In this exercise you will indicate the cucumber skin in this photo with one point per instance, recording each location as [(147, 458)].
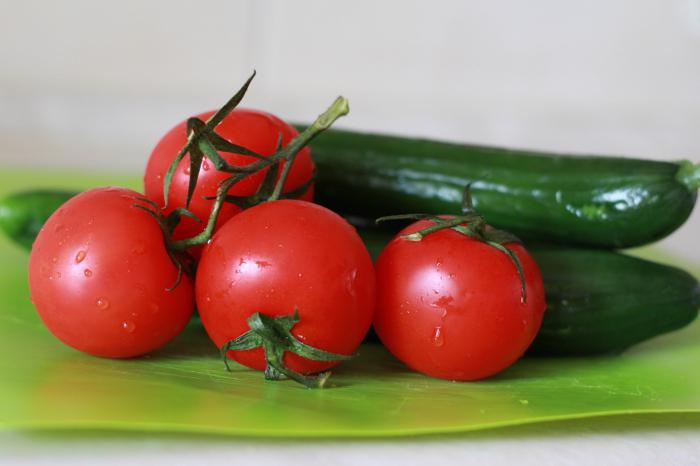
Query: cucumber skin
[(598, 301), (23, 214), (587, 200)]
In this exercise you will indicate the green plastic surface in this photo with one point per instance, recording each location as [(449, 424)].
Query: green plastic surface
[(184, 387)]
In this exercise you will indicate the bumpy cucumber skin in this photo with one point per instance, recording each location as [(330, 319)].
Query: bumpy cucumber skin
[(597, 201), (604, 302), (599, 302), (23, 214)]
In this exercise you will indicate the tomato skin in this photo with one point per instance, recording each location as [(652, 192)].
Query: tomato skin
[(98, 274), (450, 306), (282, 255), (253, 129)]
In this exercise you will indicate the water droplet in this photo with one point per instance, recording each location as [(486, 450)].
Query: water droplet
[(80, 256), (54, 259), (299, 275), (207, 299), (91, 221), (56, 275), (205, 165), (61, 242), (87, 273), (128, 326), (438, 337), (102, 303), (58, 228), (187, 170)]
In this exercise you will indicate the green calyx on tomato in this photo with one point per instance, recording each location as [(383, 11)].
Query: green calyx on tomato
[(470, 224), (203, 142), (274, 335), (167, 224)]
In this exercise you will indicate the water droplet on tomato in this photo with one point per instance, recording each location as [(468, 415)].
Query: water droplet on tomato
[(54, 259), (87, 273), (58, 228), (205, 165), (207, 299), (438, 337), (91, 221), (80, 256), (102, 303), (186, 171), (128, 326), (56, 275)]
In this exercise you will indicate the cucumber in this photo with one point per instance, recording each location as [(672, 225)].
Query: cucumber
[(23, 214), (599, 201), (600, 301), (604, 302)]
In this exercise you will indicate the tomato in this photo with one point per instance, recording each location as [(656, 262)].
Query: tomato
[(450, 305), (253, 129), (98, 274), (280, 256)]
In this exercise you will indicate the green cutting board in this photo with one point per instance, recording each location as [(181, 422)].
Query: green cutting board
[(184, 387)]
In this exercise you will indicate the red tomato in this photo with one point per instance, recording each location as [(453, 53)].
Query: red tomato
[(253, 129), (282, 255), (98, 274), (450, 306)]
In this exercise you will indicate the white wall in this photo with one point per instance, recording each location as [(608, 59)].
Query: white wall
[(94, 84)]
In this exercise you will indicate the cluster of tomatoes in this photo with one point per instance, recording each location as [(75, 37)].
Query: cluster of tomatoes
[(286, 286)]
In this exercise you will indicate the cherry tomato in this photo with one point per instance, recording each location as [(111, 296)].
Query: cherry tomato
[(450, 306), (285, 255), (253, 129), (98, 274)]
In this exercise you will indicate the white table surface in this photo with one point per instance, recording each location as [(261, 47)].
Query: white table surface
[(636, 440)]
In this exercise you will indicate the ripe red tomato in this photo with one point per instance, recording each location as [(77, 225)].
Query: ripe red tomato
[(282, 255), (450, 306), (253, 129), (98, 274)]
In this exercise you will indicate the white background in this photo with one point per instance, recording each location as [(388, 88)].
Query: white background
[(94, 84)]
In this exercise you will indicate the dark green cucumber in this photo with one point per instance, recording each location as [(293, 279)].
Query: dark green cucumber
[(600, 301), (604, 302), (597, 201), (23, 214)]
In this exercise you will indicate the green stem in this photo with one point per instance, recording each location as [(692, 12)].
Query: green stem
[(337, 109), (689, 175), (274, 335)]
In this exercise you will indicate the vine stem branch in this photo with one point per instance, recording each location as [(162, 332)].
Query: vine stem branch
[(338, 108)]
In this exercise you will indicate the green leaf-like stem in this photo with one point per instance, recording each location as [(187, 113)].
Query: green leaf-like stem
[(287, 153), (274, 335)]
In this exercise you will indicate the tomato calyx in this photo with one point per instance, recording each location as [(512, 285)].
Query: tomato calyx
[(274, 335), (202, 141), (470, 224), (167, 223)]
